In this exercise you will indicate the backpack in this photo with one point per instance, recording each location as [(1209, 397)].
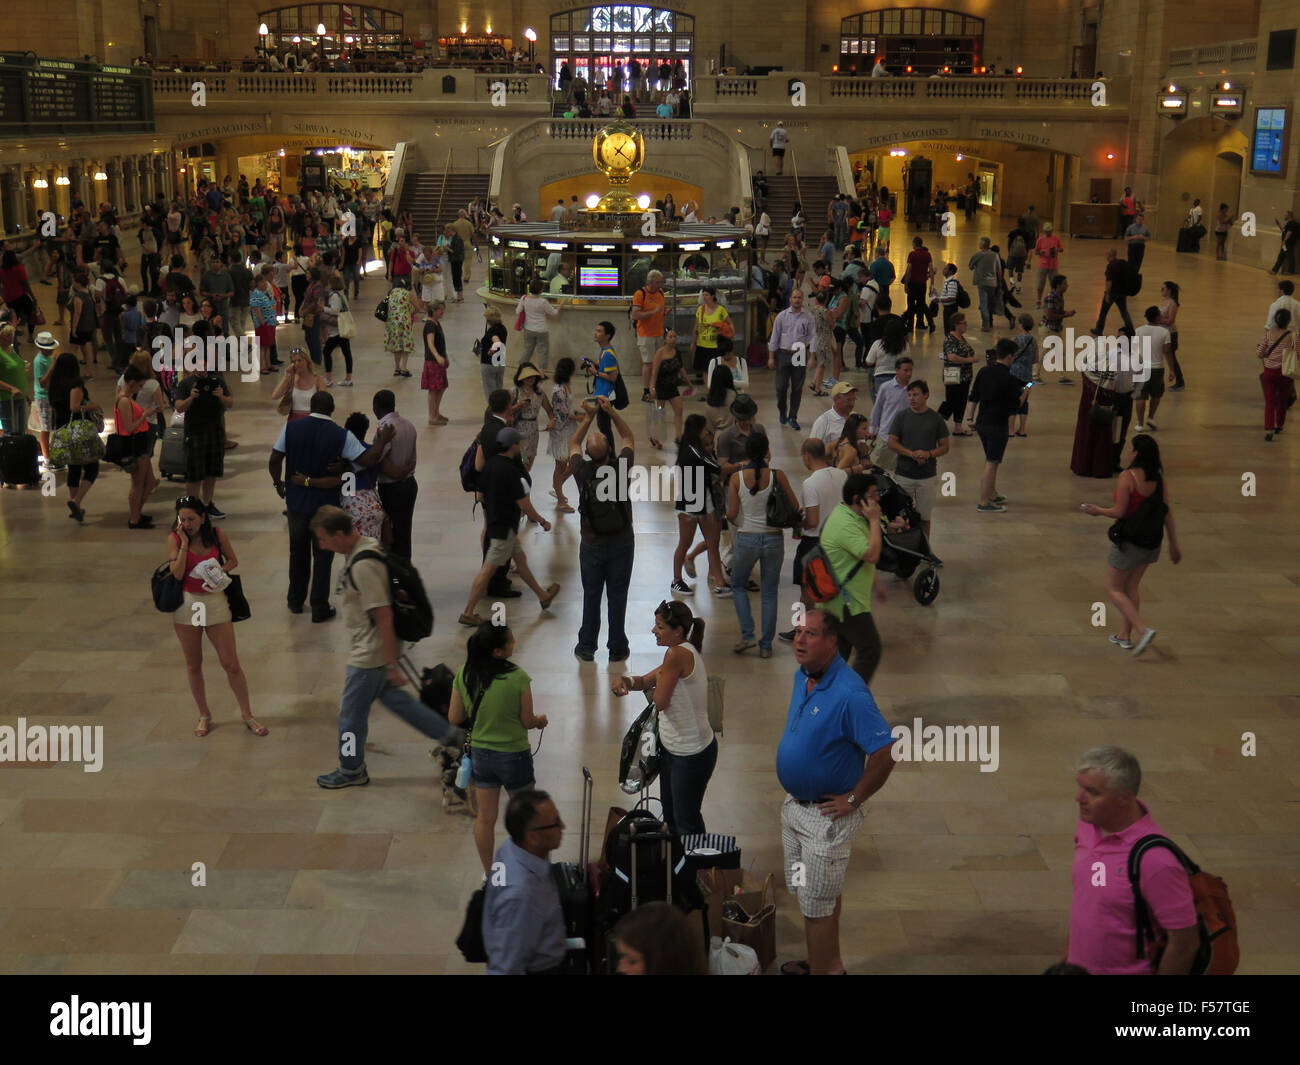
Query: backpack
[(1218, 953), (605, 516), (114, 296), (469, 475), (1145, 528), (963, 297), (412, 611), (632, 324), (1134, 282), (1019, 249), (819, 581)]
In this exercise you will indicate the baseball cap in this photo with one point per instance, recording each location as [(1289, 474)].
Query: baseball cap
[(843, 388), (508, 436), (46, 340)]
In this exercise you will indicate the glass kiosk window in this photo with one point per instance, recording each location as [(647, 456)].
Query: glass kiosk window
[(598, 275)]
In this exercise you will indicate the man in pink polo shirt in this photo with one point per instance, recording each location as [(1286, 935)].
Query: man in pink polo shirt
[(1103, 924)]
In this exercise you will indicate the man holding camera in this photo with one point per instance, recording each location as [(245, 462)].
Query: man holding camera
[(203, 398)]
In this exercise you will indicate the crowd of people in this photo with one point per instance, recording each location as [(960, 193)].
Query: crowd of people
[(257, 264)]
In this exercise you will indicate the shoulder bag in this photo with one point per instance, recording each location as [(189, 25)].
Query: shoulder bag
[(239, 608), (780, 513), (168, 591), (346, 324)]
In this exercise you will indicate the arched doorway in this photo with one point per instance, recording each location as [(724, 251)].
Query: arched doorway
[(1201, 159), (598, 41)]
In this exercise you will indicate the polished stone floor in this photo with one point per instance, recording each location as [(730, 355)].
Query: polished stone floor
[(956, 870)]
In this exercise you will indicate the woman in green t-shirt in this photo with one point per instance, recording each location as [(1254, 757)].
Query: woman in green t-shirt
[(495, 696)]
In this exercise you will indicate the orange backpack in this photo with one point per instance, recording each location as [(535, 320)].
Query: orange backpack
[(1218, 953)]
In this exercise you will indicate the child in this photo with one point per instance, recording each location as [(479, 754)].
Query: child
[(431, 283), (564, 422)]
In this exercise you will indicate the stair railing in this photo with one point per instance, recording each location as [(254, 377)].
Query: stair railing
[(794, 161), (442, 192)]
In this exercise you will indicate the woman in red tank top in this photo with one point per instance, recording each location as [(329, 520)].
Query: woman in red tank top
[(133, 423), (193, 542), (1128, 561)]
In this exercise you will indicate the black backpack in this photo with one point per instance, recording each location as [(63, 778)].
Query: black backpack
[(963, 297), (605, 516), (1134, 282), (1145, 528), (412, 611), (469, 475)]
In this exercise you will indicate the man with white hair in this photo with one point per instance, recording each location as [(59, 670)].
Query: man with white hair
[(1104, 918), (648, 306)]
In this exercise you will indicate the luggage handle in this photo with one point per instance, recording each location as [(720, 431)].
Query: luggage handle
[(584, 844)]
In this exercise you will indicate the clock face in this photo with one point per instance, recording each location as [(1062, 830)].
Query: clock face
[(618, 151)]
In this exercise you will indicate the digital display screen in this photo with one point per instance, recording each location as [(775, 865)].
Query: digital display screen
[(598, 277), (1270, 127), (61, 96)]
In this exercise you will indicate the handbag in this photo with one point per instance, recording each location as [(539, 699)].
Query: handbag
[(239, 608), (38, 315), (638, 762), (781, 513), (381, 311), (519, 321), (1100, 412), (168, 591), (952, 375), (76, 444), (347, 325), (285, 406), (725, 329)]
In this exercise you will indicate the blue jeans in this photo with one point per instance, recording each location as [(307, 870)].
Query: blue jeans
[(986, 304), (768, 550), (682, 780), (311, 337), (606, 567), (361, 688), (352, 275)]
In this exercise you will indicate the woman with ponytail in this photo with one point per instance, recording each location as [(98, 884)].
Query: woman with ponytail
[(688, 750), (493, 698)]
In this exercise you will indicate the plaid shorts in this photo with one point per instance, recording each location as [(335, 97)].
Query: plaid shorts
[(205, 454), (820, 848)]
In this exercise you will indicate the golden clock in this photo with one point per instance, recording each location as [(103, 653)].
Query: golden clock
[(619, 151)]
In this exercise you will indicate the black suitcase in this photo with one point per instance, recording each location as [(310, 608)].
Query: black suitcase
[(638, 890), (571, 879), (171, 459), (18, 455)]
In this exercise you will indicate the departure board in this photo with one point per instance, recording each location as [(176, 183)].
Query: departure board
[(58, 96)]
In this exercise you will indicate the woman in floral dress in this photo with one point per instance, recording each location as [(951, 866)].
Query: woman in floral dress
[(402, 307)]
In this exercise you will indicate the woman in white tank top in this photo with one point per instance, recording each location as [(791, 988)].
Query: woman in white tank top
[(756, 542), (688, 750)]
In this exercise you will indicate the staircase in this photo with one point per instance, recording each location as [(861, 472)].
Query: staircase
[(421, 193), (818, 191)]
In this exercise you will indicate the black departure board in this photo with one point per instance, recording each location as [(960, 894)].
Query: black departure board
[(57, 96)]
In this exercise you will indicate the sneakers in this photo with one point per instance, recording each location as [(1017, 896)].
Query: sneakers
[(999, 499), (341, 778), (794, 424), (681, 588), (991, 508), (215, 511), (1152, 427), (783, 419), (829, 383), (765, 652), (1144, 642), (788, 637), (1120, 641), (742, 645), (1139, 428)]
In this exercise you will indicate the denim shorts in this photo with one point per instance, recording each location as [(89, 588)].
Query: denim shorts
[(512, 770)]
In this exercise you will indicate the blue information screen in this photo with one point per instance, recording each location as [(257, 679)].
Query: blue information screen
[(1270, 125)]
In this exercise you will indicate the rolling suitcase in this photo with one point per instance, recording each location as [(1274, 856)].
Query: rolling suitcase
[(171, 459), (639, 894), (18, 455), (576, 897)]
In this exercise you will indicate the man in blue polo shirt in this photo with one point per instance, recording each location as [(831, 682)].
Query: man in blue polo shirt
[(834, 755)]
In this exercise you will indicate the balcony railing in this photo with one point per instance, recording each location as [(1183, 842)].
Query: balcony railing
[(837, 92), (584, 129), (1224, 55), (465, 86)]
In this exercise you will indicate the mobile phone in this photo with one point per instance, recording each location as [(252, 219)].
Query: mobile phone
[(1029, 385)]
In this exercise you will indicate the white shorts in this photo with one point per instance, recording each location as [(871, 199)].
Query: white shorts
[(922, 491), (500, 552), (648, 346), (817, 850)]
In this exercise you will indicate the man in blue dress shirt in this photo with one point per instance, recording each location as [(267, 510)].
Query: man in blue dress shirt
[(523, 923), (834, 755)]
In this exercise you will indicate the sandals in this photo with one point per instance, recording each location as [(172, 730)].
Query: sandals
[(689, 566), (796, 968), (205, 725), (255, 727)]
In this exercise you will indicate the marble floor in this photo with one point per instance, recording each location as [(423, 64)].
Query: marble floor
[(956, 871)]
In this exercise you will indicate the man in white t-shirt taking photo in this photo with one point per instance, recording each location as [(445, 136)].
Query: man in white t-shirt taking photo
[(919, 435), (822, 491), (1155, 342)]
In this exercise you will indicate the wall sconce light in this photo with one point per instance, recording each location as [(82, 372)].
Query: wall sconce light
[(40, 183), (100, 175), (62, 179), (320, 29), (263, 30)]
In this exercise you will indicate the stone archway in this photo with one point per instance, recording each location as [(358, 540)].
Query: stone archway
[(1201, 158)]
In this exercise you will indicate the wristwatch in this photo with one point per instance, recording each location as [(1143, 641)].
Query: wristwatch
[(308, 485), (853, 800)]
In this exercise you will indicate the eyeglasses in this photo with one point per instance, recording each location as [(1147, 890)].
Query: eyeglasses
[(544, 828)]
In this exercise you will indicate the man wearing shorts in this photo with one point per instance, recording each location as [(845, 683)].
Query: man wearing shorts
[(505, 484), (995, 397), (648, 314), (920, 436), (373, 672), (834, 755), (779, 138), (1156, 347), (1048, 249)]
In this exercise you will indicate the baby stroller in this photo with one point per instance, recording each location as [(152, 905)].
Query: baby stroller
[(902, 552)]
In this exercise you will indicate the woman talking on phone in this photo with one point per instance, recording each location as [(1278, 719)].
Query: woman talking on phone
[(201, 556)]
